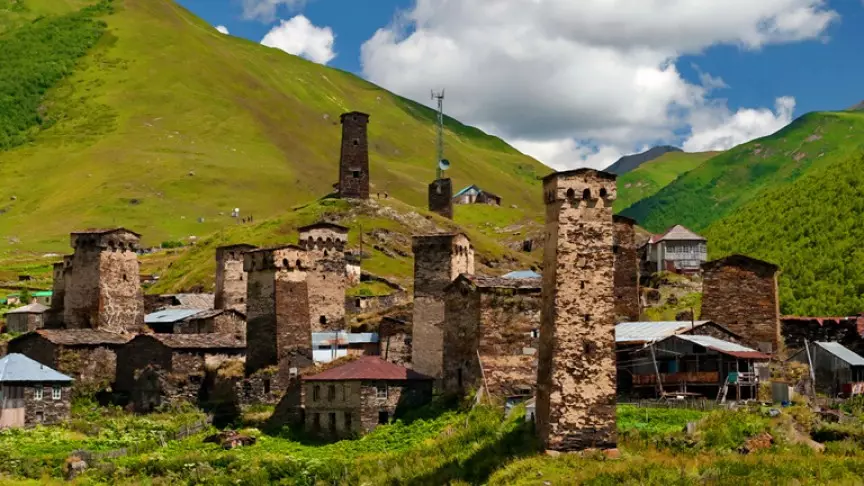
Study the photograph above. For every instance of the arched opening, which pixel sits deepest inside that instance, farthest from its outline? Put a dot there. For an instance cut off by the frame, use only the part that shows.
(570, 194)
(297, 263)
(325, 253)
(322, 320)
(285, 262)
(586, 194)
(603, 192)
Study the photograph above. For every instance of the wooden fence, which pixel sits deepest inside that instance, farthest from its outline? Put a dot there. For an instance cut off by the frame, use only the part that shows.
(702, 404)
(93, 457)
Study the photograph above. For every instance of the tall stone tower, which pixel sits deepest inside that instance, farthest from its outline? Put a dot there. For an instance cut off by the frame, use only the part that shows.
(441, 197)
(54, 316)
(626, 270)
(327, 277)
(438, 260)
(103, 287)
(277, 309)
(230, 277)
(354, 157)
(576, 364)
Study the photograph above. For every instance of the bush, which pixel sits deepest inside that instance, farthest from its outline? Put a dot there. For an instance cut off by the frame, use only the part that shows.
(171, 244)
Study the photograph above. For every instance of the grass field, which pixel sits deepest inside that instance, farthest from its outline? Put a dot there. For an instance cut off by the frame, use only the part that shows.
(650, 177)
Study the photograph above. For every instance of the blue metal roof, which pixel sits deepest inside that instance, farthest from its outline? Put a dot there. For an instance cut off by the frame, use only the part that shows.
(466, 189)
(522, 274)
(17, 367)
(842, 352)
(168, 316)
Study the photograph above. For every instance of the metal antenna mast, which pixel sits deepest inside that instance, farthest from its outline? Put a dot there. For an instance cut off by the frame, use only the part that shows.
(439, 96)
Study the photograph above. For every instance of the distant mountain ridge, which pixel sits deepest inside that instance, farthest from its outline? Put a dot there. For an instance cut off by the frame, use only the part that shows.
(858, 107)
(629, 162)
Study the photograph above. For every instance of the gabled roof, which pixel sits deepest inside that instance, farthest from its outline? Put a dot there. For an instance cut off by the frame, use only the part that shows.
(677, 233)
(80, 337)
(19, 368)
(198, 341)
(842, 352)
(34, 308)
(724, 347)
(323, 225)
(645, 332)
(466, 189)
(368, 368)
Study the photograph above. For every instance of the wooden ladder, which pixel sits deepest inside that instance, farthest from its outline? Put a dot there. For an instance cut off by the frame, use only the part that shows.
(721, 395)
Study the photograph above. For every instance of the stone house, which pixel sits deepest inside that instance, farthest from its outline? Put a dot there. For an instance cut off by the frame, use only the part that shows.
(153, 303)
(490, 335)
(197, 321)
(676, 250)
(329, 346)
(27, 318)
(394, 341)
(32, 393)
(740, 293)
(354, 398)
(44, 297)
(155, 369)
(838, 370)
(474, 195)
(846, 330)
(89, 356)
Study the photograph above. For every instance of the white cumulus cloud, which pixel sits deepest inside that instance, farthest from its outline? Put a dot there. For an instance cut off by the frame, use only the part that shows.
(300, 37)
(222, 29)
(265, 10)
(720, 129)
(574, 83)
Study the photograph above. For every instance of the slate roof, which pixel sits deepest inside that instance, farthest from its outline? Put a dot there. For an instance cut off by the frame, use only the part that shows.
(842, 352)
(522, 274)
(368, 368)
(645, 332)
(19, 368)
(677, 233)
(168, 316)
(724, 347)
(199, 341)
(81, 337)
(34, 308)
(194, 301)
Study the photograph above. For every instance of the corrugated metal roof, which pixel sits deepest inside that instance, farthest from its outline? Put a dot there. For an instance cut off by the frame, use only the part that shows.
(724, 347)
(17, 367)
(167, 316)
(34, 308)
(466, 189)
(842, 352)
(328, 338)
(642, 332)
(368, 368)
(522, 274)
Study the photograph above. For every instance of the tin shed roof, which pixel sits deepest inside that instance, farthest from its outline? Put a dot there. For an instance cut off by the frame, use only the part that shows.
(643, 332)
(168, 316)
(368, 368)
(724, 347)
(328, 338)
(519, 274)
(842, 352)
(34, 308)
(17, 367)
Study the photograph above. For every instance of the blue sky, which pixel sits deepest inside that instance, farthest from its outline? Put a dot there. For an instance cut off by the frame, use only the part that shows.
(764, 65)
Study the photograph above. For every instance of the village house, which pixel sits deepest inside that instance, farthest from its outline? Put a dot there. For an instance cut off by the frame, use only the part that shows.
(32, 393)
(88, 355)
(490, 335)
(395, 341)
(25, 319)
(474, 195)
(329, 346)
(838, 370)
(197, 321)
(354, 398)
(43, 297)
(677, 250)
(846, 330)
(155, 369)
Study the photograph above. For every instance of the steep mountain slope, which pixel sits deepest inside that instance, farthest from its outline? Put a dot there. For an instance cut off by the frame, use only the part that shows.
(812, 228)
(650, 177)
(166, 125)
(629, 162)
(728, 181)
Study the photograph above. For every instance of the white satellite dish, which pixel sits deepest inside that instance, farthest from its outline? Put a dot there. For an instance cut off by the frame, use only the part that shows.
(444, 164)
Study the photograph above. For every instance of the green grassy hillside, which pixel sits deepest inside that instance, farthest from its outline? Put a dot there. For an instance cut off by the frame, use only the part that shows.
(724, 183)
(812, 229)
(165, 125)
(650, 177)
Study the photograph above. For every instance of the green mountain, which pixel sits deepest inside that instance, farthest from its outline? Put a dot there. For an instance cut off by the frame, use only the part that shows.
(723, 184)
(137, 113)
(656, 174)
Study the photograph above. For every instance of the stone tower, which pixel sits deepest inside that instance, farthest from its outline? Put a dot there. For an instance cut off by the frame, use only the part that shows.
(327, 277)
(354, 157)
(441, 197)
(576, 376)
(103, 287)
(740, 293)
(54, 316)
(626, 270)
(277, 308)
(438, 260)
(230, 277)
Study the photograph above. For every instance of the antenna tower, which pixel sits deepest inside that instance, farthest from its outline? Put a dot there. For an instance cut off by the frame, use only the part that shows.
(439, 96)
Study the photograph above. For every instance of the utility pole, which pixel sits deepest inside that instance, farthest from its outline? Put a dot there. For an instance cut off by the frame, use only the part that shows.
(439, 96)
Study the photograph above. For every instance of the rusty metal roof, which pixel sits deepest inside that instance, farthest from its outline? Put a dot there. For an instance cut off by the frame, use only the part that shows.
(724, 347)
(368, 368)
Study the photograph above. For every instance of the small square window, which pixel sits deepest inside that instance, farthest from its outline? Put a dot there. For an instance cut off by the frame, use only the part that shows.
(37, 392)
(56, 392)
(331, 392)
(355, 174)
(316, 393)
(381, 391)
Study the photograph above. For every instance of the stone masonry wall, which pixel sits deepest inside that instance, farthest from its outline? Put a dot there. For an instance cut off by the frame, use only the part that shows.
(333, 400)
(576, 394)
(354, 157)
(462, 330)
(848, 331)
(54, 315)
(438, 260)
(231, 278)
(395, 342)
(441, 197)
(742, 296)
(508, 349)
(626, 271)
(94, 368)
(121, 303)
(47, 410)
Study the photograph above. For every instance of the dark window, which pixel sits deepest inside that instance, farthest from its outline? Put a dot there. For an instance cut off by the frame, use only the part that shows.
(125, 278)
(355, 174)
(459, 377)
(356, 141)
(322, 320)
(266, 385)
(348, 421)
(586, 194)
(570, 195)
(582, 284)
(602, 192)
(285, 262)
(297, 264)
(331, 392)
(39, 417)
(316, 421)
(332, 423)
(357, 303)
(383, 417)
(316, 393)
(587, 318)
